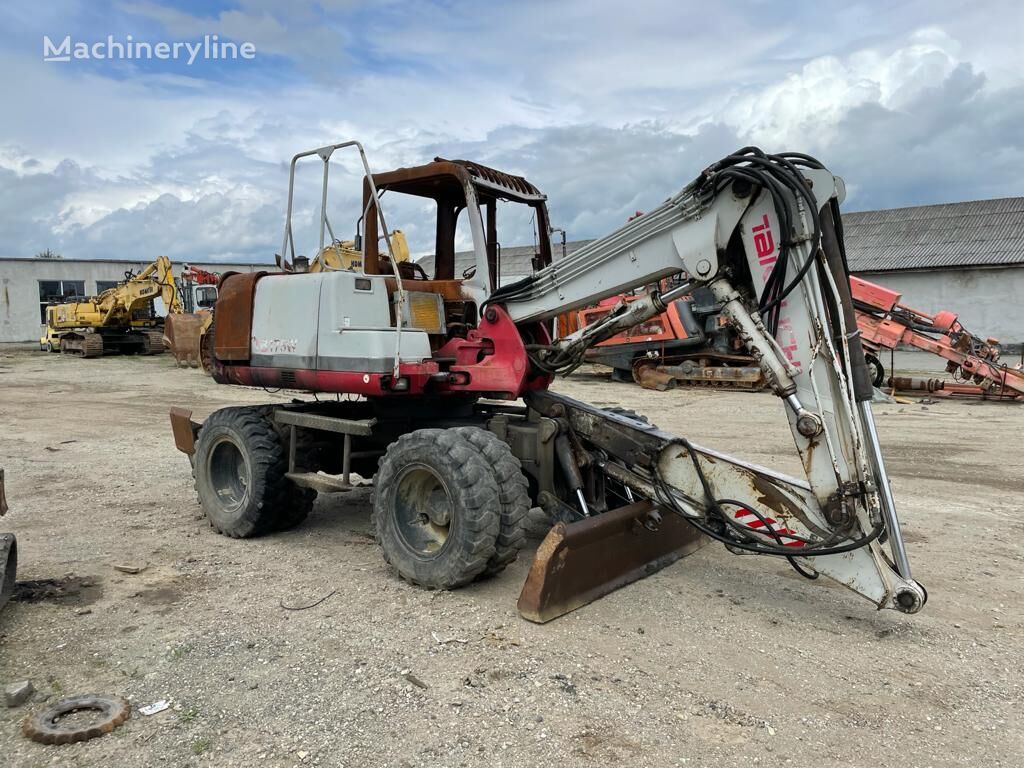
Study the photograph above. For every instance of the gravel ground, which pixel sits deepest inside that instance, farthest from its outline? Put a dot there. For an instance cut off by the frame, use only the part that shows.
(718, 660)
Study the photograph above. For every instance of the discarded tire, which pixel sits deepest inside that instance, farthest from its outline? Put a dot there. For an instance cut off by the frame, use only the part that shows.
(436, 508)
(46, 728)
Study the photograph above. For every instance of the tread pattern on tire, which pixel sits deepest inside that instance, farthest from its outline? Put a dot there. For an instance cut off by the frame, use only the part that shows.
(513, 493)
(480, 521)
(281, 503)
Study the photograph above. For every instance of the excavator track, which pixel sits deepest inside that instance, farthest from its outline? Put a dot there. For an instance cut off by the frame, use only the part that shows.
(152, 342)
(721, 371)
(83, 345)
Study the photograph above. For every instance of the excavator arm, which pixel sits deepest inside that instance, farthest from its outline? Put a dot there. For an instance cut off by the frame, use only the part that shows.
(764, 234)
(157, 279)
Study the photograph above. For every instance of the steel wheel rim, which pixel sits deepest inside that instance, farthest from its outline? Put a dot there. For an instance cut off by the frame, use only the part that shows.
(424, 511)
(228, 471)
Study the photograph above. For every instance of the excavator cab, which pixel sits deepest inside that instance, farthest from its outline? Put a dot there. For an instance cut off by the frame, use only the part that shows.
(396, 328)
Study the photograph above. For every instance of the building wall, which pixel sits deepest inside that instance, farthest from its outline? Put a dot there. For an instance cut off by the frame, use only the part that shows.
(19, 286)
(990, 301)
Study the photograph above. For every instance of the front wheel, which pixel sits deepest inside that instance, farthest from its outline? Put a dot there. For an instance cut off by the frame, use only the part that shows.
(436, 508)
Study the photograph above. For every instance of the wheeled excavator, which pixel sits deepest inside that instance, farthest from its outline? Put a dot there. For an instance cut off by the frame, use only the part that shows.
(458, 427)
(121, 319)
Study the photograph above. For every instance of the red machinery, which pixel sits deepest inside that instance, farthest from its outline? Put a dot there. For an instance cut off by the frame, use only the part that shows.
(973, 362)
(689, 344)
(199, 276)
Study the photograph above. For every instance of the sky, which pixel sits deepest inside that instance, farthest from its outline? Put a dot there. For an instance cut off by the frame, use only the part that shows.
(607, 107)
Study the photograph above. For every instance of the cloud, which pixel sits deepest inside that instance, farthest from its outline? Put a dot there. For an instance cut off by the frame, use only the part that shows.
(607, 112)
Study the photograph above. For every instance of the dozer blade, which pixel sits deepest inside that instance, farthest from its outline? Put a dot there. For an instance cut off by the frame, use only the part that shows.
(182, 336)
(579, 562)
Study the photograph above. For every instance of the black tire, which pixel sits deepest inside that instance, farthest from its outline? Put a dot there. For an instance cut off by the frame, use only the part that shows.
(436, 508)
(513, 494)
(299, 502)
(875, 368)
(239, 470)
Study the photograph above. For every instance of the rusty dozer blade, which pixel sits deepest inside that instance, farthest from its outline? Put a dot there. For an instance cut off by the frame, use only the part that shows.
(580, 562)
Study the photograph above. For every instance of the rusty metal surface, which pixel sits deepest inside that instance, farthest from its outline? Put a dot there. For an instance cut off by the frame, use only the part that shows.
(432, 178)
(912, 383)
(362, 427)
(183, 429)
(650, 375)
(580, 562)
(47, 726)
(234, 315)
(182, 336)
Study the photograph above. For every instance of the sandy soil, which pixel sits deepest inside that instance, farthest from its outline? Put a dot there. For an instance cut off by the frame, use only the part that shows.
(717, 661)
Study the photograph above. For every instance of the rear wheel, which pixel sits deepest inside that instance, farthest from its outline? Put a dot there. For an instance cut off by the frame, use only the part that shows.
(239, 470)
(436, 508)
(513, 493)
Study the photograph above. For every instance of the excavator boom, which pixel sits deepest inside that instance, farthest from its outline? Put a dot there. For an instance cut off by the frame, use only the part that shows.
(763, 233)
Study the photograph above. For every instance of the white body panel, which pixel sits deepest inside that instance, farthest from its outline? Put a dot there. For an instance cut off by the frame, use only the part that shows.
(333, 321)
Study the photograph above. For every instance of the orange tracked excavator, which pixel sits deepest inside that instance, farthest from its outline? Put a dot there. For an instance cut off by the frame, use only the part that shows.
(690, 344)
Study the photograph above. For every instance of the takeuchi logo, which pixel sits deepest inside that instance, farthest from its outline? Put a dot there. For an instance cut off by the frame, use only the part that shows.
(210, 48)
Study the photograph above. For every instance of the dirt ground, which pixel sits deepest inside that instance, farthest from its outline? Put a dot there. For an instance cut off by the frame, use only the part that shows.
(718, 660)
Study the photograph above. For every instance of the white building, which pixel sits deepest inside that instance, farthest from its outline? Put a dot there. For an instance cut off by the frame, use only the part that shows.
(964, 257)
(27, 285)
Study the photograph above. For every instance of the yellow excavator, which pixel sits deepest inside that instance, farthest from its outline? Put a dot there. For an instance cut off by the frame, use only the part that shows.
(122, 319)
(188, 336)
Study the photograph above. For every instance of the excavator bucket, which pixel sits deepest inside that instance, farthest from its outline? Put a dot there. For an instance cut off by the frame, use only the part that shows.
(580, 562)
(183, 336)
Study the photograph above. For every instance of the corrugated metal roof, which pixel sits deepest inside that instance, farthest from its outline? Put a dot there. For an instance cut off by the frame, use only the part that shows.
(971, 234)
(516, 261)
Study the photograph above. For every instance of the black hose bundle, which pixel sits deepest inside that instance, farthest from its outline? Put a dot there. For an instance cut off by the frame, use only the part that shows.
(779, 175)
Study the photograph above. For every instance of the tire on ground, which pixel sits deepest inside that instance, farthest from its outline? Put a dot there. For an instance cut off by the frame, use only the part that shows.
(436, 508)
(513, 493)
(239, 472)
